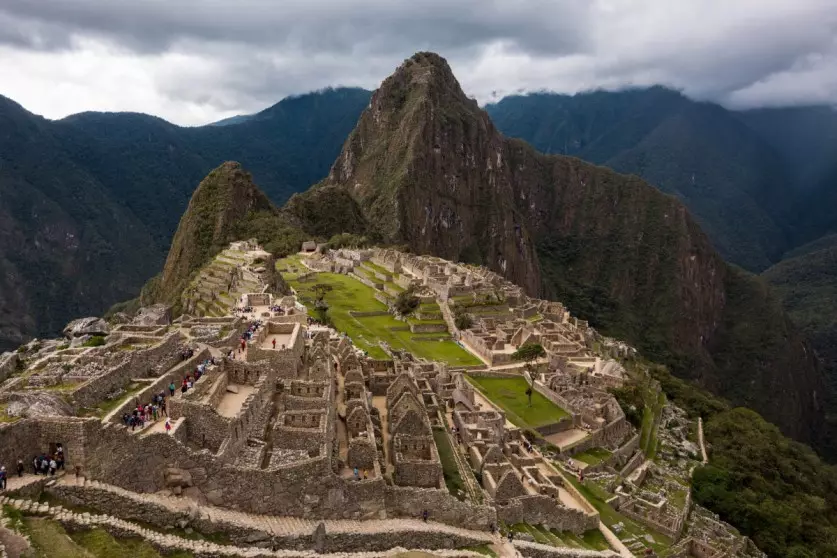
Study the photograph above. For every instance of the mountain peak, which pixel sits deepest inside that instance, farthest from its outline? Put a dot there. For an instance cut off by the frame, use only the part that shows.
(223, 200)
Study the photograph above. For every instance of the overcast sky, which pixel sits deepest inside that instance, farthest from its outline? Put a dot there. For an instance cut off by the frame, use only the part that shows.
(196, 61)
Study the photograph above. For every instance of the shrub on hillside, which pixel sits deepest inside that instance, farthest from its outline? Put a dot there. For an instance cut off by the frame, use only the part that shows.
(95, 341)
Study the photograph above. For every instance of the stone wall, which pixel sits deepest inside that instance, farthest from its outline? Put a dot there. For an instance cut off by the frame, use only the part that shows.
(175, 375)
(26, 438)
(538, 509)
(562, 425)
(278, 357)
(139, 364)
(441, 506)
(632, 464)
(19, 440)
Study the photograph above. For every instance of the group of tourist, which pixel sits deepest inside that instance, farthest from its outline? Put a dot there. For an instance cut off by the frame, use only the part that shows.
(46, 464)
(146, 413)
(248, 335)
(157, 408)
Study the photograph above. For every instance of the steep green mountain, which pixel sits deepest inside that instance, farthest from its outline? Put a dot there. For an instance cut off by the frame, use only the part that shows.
(426, 168)
(67, 247)
(726, 173)
(90, 202)
(226, 206)
(807, 282)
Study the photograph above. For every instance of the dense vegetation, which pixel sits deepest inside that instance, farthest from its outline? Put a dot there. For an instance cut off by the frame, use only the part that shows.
(773, 489)
(90, 203)
(807, 282)
(752, 179)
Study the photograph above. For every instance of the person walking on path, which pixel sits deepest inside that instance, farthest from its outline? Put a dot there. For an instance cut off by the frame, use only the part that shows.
(168, 426)
(2, 478)
(424, 516)
(171, 389)
(19, 468)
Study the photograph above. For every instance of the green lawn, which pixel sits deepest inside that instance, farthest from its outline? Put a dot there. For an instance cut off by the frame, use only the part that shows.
(593, 456)
(50, 539)
(510, 395)
(453, 480)
(349, 294)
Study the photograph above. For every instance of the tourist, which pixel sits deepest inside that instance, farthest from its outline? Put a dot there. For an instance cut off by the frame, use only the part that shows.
(154, 411)
(59, 460)
(20, 468)
(511, 536)
(424, 516)
(36, 465)
(357, 474)
(44, 464)
(168, 426)
(274, 342)
(53, 466)
(2, 478)
(171, 389)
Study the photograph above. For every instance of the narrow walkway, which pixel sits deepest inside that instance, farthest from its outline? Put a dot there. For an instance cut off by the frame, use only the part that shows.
(703, 455)
(279, 526)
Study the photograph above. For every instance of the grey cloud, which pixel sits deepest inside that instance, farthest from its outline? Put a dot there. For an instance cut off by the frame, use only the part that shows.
(245, 55)
(315, 26)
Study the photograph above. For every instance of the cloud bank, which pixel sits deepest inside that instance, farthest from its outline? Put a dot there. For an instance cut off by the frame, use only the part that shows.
(196, 61)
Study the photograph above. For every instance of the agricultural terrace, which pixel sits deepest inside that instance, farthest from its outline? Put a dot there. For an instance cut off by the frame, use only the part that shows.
(349, 295)
(510, 395)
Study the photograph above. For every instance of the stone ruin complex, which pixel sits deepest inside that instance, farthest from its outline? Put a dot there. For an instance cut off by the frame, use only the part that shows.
(298, 441)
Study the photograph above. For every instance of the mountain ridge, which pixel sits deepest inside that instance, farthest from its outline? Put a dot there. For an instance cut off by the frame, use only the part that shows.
(71, 176)
(427, 168)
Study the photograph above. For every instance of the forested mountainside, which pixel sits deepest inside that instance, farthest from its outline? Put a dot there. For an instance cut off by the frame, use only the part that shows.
(751, 178)
(90, 202)
(807, 282)
(426, 168)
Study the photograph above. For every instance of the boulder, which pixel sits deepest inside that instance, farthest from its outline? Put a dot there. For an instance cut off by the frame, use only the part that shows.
(120, 318)
(156, 314)
(38, 404)
(86, 326)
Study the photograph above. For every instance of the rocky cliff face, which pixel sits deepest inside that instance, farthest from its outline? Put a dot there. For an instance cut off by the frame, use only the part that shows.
(425, 167)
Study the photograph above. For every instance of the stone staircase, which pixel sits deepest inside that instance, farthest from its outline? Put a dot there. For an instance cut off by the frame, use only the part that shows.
(279, 527)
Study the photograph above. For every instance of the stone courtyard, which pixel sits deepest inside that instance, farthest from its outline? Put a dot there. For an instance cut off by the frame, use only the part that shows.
(290, 439)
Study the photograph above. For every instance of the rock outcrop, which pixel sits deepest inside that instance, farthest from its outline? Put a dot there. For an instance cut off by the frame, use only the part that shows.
(38, 404)
(86, 326)
(426, 168)
(156, 314)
